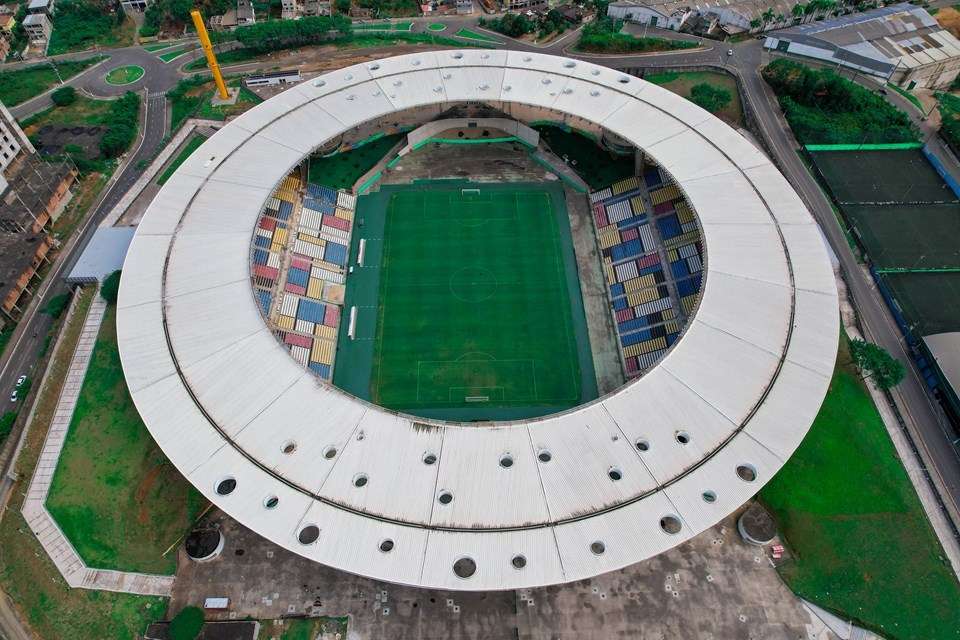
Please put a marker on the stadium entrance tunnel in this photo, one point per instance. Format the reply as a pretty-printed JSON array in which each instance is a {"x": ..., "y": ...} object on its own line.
[{"x": 246, "y": 408}]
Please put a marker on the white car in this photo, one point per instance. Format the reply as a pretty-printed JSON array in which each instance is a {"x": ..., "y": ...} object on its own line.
[
  {"x": 13, "y": 396},
  {"x": 20, "y": 381}
]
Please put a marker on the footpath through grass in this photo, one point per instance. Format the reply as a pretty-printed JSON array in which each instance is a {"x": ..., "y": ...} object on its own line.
[
  {"x": 52, "y": 609},
  {"x": 192, "y": 145},
  {"x": 22, "y": 84},
  {"x": 342, "y": 170},
  {"x": 862, "y": 544},
  {"x": 114, "y": 494}
]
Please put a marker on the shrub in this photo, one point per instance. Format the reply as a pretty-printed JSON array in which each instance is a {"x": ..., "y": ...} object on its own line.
[
  {"x": 56, "y": 305},
  {"x": 123, "y": 117},
  {"x": 111, "y": 287},
  {"x": 285, "y": 34},
  {"x": 186, "y": 625},
  {"x": 513, "y": 25},
  {"x": 711, "y": 98},
  {"x": 64, "y": 96},
  {"x": 603, "y": 35}
]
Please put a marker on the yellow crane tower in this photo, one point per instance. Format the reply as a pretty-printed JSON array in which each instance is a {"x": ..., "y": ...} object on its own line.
[{"x": 208, "y": 50}]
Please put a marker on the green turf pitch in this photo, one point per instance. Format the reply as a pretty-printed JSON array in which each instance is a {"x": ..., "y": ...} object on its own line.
[{"x": 478, "y": 314}]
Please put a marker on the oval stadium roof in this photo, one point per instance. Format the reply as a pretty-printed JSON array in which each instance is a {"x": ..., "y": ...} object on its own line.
[{"x": 223, "y": 398}]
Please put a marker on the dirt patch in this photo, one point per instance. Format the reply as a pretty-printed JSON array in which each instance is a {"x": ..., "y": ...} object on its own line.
[
  {"x": 143, "y": 492},
  {"x": 949, "y": 19},
  {"x": 51, "y": 139}
]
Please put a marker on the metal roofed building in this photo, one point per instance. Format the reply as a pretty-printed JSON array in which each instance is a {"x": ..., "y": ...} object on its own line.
[
  {"x": 729, "y": 16},
  {"x": 901, "y": 43},
  {"x": 282, "y": 451}
]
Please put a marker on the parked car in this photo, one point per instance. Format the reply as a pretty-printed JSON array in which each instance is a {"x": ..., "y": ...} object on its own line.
[
  {"x": 20, "y": 381},
  {"x": 13, "y": 396}
]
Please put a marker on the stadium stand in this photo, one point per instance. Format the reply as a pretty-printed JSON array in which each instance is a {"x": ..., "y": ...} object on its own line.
[
  {"x": 299, "y": 258},
  {"x": 653, "y": 261}
]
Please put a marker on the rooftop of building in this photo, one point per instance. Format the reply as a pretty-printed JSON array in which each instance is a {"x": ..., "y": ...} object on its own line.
[
  {"x": 17, "y": 252},
  {"x": 32, "y": 182}
]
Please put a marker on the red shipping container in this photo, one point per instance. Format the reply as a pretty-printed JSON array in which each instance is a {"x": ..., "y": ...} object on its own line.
[
  {"x": 300, "y": 341},
  {"x": 600, "y": 215},
  {"x": 297, "y": 289},
  {"x": 264, "y": 271},
  {"x": 632, "y": 366},
  {"x": 300, "y": 263},
  {"x": 267, "y": 223},
  {"x": 663, "y": 207},
  {"x": 336, "y": 223},
  {"x": 648, "y": 260},
  {"x": 625, "y": 314},
  {"x": 331, "y": 315},
  {"x": 629, "y": 234}
]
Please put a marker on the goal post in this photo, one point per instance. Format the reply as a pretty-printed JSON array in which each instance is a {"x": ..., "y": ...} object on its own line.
[{"x": 468, "y": 194}]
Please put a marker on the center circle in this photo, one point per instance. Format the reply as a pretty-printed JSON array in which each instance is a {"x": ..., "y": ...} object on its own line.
[{"x": 473, "y": 284}]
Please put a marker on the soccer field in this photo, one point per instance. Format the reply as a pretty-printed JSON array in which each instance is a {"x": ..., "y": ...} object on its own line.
[{"x": 478, "y": 312}]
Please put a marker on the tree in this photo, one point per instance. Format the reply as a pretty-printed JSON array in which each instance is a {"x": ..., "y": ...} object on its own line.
[
  {"x": 111, "y": 287},
  {"x": 798, "y": 10},
  {"x": 64, "y": 96},
  {"x": 877, "y": 364},
  {"x": 186, "y": 625},
  {"x": 711, "y": 98},
  {"x": 342, "y": 6}
]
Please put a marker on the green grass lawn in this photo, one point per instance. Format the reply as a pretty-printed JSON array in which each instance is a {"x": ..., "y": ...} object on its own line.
[
  {"x": 598, "y": 167},
  {"x": 475, "y": 35},
  {"x": 125, "y": 75},
  {"x": 437, "y": 26},
  {"x": 225, "y": 58},
  {"x": 115, "y": 495},
  {"x": 52, "y": 609},
  {"x": 192, "y": 145},
  {"x": 383, "y": 26},
  {"x": 474, "y": 316},
  {"x": 681, "y": 84},
  {"x": 342, "y": 170},
  {"x": 157, "y": 46},
  {"x": 173, "y": 55},
  {"x": 22, "y": 84},
  {"x": 862, "y": 544},
  {"x": 303, "y": 629},
  {"x": 77, "y": 31}
]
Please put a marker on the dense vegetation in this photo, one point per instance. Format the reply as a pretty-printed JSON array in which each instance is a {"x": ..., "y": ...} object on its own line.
[
  {"x": 122, "y": 122},
  {"x": 285, "y": 34},
  {"x": 950, "y": 120},
  {"x": 173, "y": 14},
  {"x": 111, "y": 287},
  {"x": 387, "y": 8},
  {"x": 64, "y": 96},
  {"x": 22, "y": 84},
  {"x": 603, "y": 36},
  {"x": 515, "y": 25},
  {"x": 79, "y": 24},
  {"x": 823, "y": 108},
  {"x": 711, "y": 98},
  {"x": 186, "y": 625}
]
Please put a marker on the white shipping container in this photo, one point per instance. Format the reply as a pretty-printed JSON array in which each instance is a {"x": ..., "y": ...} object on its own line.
[
  {"x": 308, "y": 249},
  {"x": 646, "y": 237},
  {"x": 331, "y": 234},
  {"x": 273, "y": 203},
  {"x": 687, "y": 227},
  {"x": 300, "y": 354},
  {"x": 304, "y": 326},
  {"x": 647, "y": 360},
  {"x": 653, "y": 306},
  {"x": 346, "y": 200},
  {"x": 264, "y": 233},
  {"x": 687, "y": 251},
  {"x": 626, "y": 271},
  {"x": 288, "y": 305},
  {"x": 273, "y": 260},
  {"x": 694, "y": 264},
  {"x": 310, "y": 221},
  {"x": 603, "y": 194},
  {"x": 619, "y": 212}
]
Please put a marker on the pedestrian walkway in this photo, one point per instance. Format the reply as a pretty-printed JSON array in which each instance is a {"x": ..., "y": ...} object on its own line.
[{"x": 55, "y": 543}]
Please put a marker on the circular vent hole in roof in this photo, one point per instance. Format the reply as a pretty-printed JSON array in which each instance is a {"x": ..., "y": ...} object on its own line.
[
  {"x": 544, "y": 456},
  {"x": 464, "y": 567},
  {"x": 289, "y": 447},
  {"x": 747, "y": 473},
  {"x": 518, "y": 561},
  {"x": 527, "y": 58},
  {"x": 320, "y": 83},
  {"x": 329, "y": 453},
  {"x": 615, "y": 474},
  {"x": 226, "y": 486},
  {"x": 415, "y": 63},
  {"x": 309, "y": 534},
  {"x": 374, "y": 67},
  {"x": 598, "y": 548},
  {"x": 683, "y": 437},
  {"x": 506, "y": 461},
  {"x": 643, "y": 445},
  {"x": 594, "y": 93},
  {"x": 445, "y": 497},
  {"x": 457, "y": 55},
  {"x": 360, "y": 480},
  {"x": 429, "y": 458},
  {"x": 386, "y": 546},
  {"x": 670, "y": 524},
  {"x": 623, "y": 79},
  {"x": 709, "y": 496},
  {"x": 569, "y": 64},
  {"x": 270, "y": 502}
]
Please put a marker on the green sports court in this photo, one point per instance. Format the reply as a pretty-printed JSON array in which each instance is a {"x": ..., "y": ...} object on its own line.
[{"x": 468, "y": 303}]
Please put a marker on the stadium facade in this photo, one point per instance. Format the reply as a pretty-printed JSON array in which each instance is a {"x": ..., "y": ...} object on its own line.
[{"x": 494, "y": 505}]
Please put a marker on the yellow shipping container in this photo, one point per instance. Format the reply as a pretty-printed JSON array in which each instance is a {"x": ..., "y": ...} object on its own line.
[
  {"x": 311, "y": 239},
  {"x": 346, "y": 214},
  {"x": 285, "y": 322},
  {"x": 324, "y": 331},
  {"x": 315, "y": 288},
  {"x": 322, "y": 351},
  {"x": 280, "y": 235},
  {"x": 636, "y": 203},
  {"x": 608, "y": 271}
]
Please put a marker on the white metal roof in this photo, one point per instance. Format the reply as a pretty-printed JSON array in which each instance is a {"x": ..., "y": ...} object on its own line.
[{"x": 222, "y": 397}]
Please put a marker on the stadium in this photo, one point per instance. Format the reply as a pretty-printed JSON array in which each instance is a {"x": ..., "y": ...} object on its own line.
[{"x": 486, "y": 380}]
